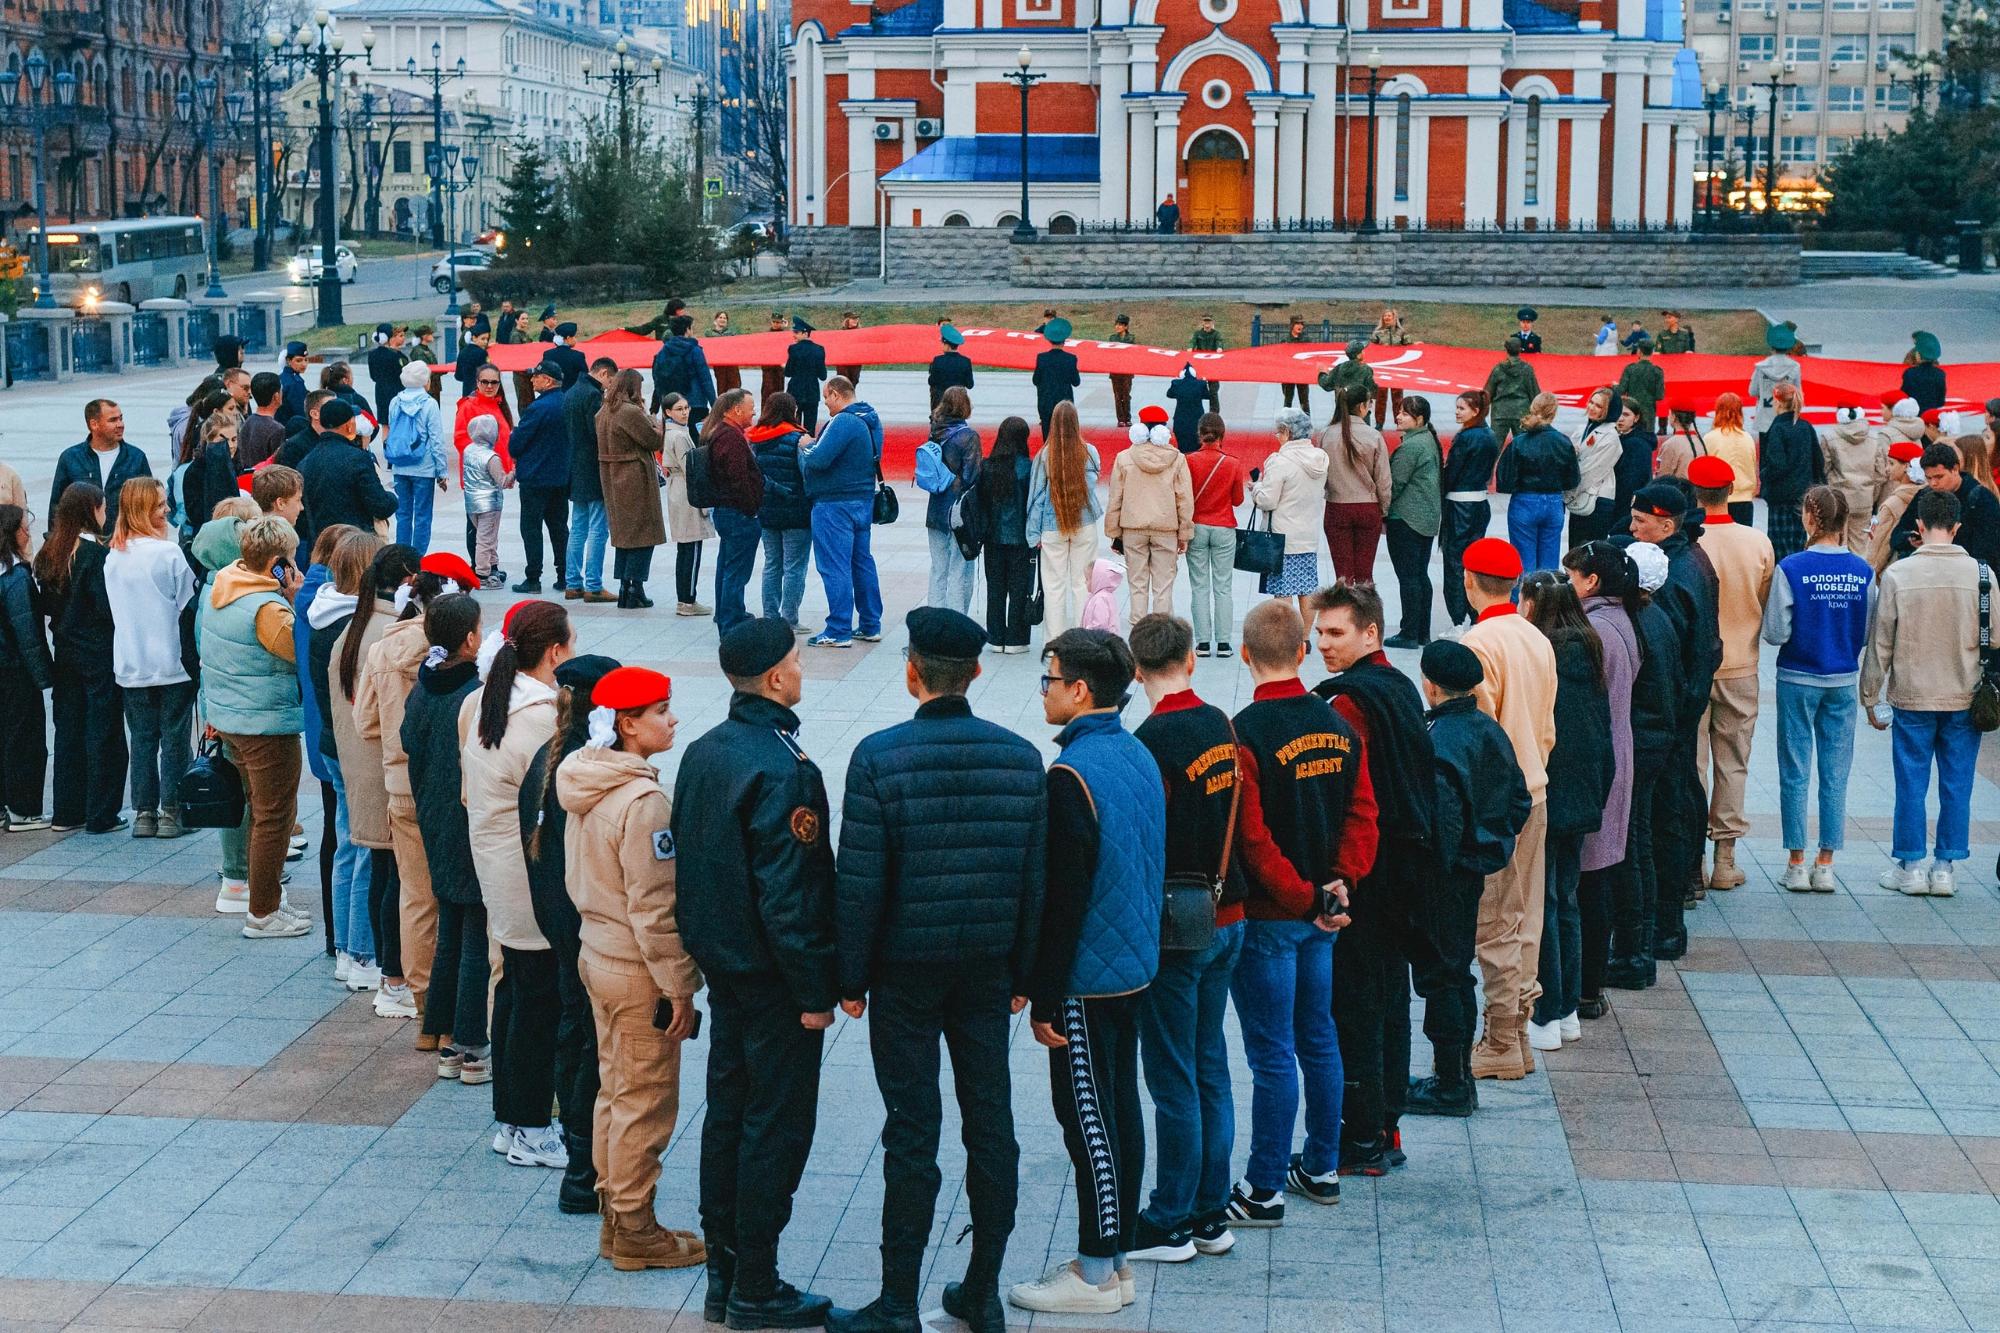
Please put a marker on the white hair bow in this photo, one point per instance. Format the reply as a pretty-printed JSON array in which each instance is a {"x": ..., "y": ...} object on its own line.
[
  {"x": 489, "y": 648},
  {"x": 603, "y": 728},
  {"x": 435, "y": 657}
]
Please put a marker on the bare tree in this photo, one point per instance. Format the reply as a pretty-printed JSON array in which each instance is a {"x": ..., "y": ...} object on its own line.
[{"x": 765, "y": 154}]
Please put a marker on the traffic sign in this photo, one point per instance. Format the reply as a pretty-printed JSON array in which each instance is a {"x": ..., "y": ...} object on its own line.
[{"x": 711, "y": 187}]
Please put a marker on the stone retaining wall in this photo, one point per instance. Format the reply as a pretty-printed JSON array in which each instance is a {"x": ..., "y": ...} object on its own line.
[{"x": 951, "y": 256}]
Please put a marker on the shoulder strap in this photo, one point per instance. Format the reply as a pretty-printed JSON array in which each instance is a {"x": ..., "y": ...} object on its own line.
[
  {"x": 1202, "y": 489},
  {"x": 1235, "y": 798},
  {"x": 1985, "y": 614},
  {"x": 1090, "y": 800}
]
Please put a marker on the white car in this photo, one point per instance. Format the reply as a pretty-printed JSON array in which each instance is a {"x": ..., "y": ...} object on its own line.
[
  {"x": 307, "y": 264},
  {"x": 463, "y": 260}
]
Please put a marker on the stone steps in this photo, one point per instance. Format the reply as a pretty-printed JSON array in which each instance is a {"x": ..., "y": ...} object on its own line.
[{"x": 1825, "y": 265}]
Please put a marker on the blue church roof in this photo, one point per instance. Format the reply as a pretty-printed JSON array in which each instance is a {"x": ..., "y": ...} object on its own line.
[
  {"x": 1687, "y": 79},
  {"x": 1663, "y": 20},
  {"x": 1052, "y": 158},
  {"x": 919, "y": 18},
  {"x": 1528, "y": 16}
]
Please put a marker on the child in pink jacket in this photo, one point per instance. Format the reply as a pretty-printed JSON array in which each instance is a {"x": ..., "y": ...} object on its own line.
[{"x": 1101, "y": 610}]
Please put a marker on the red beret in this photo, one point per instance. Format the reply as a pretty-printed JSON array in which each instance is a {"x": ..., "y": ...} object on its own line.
[
  {"x": 1906, "y": 451},
  {"x": 631, "y": 687},
  {"x": 1934, "y": 416},
  {"x": 448, "y": 566},
  {"x": 507, "y": 621},
  {"x": 1153, "y": 416},
  {"x": 1494, "y": 558},
  {"x": 1711, "y": 473}
]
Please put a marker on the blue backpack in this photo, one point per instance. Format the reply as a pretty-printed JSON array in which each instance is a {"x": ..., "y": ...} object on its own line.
[
  {"x": 404, "y": 445},
  {"x": 177, "y": 515},
  {"x": 932, "y": 474}
]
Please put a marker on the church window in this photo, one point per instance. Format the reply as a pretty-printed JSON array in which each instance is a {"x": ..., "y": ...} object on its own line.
[
  {"x": 1531, "y": 156},
  {"x": 1403, "y": 148}
]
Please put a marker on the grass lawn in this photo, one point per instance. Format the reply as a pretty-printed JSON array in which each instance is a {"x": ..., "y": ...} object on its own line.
[{"x": 1167, "y": 323}]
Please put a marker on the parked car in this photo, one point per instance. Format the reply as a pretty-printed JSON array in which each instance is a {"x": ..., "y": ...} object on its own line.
[
  {"x": 758, "y": 227},
  {"x": 441, "y": 271},
  {"x": 308, "y": 263}
]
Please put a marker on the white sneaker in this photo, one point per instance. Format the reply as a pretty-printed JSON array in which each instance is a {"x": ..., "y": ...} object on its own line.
[
  {"x": 1942, "y": 884},
  {"x": 1797, "y": 878},
  {"x": 1822, "y": 879},
  {"x": 396, "y": 1002},
  {"x": 233, "y": 898},
  {"x": 1904, "y": 879},
  {"x": 1571, "y": 1025},
  {"x": 343, "y": 966},
  {"x": 1062, "y": 1290},
  {"x": 364, "y": 977},
  {"x": 1545, "y": 1036},
  {"x": 539, "y": 1147},
  {"x": 503, "y": 1139},
  {"x": 27, "y": 823},
  {"x": 276, "y": 926},
  {"x": 297, "y": 850}
]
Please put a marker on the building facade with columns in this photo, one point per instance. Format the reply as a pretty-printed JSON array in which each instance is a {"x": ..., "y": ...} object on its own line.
[{"x": 1253, "y": 114}]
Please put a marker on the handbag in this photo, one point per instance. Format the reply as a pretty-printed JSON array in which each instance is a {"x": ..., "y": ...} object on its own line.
[
  {"x": 1189, "y": 900},
  {"x": 886, "y": 506},
  {"x": 1260, "y": 550},
  {"x": 1986, "y": 694},
  {"x": 1036, "y": 603},
  {"x": 211, "y": 789}
]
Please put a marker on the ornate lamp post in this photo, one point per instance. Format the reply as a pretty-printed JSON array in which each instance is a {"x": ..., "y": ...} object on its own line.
[
  {"x": 198, "y": 109},
  {"x": 46, "y": 97},
  {"x": 624, "y": 75},
  {"x": 697, "y": 103},
  {"x": 1368, "y": 224},
  {"x": 1776, "y": 83},
  {"x": 257, "y": 58},
  {"x": 435, "y": 75},
  {"x": 1024, "y": 230},
  {"x": 448, "y": 171},
  {"x": 1714, "y": 101},
  {"x": 321, "y": 53}
]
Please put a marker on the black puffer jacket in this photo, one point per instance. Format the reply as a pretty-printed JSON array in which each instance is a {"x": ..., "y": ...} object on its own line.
[
  {"x": 24, "y": 644},
  {"x": 580, "y": 408},
  {"x": 1789, "y": 461},
  {"x": 1653, "y": 697},
  {"x": 1688, "y": 598},
  {"x": 942, "y": 854},
  {"x": 754, "y": 892},
  {"x": 430, "y": 738},
  {"x": 341, "y": 486},
  {"x": 786, "y": 507},
  {"x": 1541, "y": 461},
  {"x": 80, "y": 618},
  {"x": 1580, "y": 767}
]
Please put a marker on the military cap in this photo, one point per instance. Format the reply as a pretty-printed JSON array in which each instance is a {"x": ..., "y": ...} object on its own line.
[
  {"x": 631, "y": 687},
  {"x": 1906, "y": 451},
  {"x": 1357, "y": 347},
  {"x": 581, "y": 674},
  {"x": 566, "y": 329},
  {"x": 294, "y": 348},
  {"x": 1780, "y": 339},
  {"x": 951, "y": 336},
  {"x": 940, "y": 633},
  {"x": 755, "y": 646},
  {"x": 1492, "y": 557},
  {"x": 1057, "y": 331},
  {"x": 1927, "y": 346},
  {"x": 549, "y": 311},
  {"x": 1452, "y": 666},
  {"x": 446, "y": 565},
  {"x": 1152, "y": 414},
  {"x": 799, "y": 325},
  {"x": 1527, "y": 312},
  {"x": 1711, "y": 473}
]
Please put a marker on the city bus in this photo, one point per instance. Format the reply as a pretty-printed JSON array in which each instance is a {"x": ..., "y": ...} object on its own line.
[{"x": 131, "y": 259}]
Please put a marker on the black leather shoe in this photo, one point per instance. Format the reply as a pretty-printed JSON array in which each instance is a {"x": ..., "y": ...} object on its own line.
[
  {"x": 1450, "y": 1091},
  {"x": 1671, "y": 946},
  {"x": 881, "y": 1315},
  {"x": 578, "y": 1193},
  {"x": 978, "y": 1309},
  {"x": 528, "y": 585},
  {"x": 639, "y": 598},
  {"x": 1636, "y": 972},
  {"x": 1403, "y": 641},
  {"x": 784, "y": 1307},
  {"x": 721, "y": 1274}
]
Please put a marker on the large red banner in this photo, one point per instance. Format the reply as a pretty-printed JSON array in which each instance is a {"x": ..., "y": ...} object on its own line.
[{"x": 1693, "y": 381}]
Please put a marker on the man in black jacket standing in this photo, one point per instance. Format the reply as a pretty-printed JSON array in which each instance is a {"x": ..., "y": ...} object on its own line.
[
  {"x": 950, "y": 368},
  {"x": 589, "y": 528},
  {"x": 1056, "y": 377},
  {"x": 385, "y": 368},
  {"x": 755, "y": 910},
  {"x": 939, "y": 899},
  {"x": 341, "y": 484},
  {"x": 805, "y": 368},
  {"x": 102, "y": 458}
]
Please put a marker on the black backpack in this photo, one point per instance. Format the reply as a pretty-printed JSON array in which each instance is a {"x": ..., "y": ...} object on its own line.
[{"x": 700, "y": 487}]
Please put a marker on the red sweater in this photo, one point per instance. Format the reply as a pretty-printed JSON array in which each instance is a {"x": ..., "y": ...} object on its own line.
[{"x": 1218, "y": 487}]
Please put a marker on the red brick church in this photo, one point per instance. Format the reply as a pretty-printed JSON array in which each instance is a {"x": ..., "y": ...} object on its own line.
[{"x": 1252, "y": 113}]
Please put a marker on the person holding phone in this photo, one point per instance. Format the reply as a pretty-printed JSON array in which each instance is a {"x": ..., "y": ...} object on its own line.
[{"x": 619, "y": 857}]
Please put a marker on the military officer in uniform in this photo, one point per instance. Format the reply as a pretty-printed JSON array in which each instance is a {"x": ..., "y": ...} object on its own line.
[
  {"x": 1510, "y": 387},
  {"x": 805, "y": 368},
  {"x": 1121, "y": 385},
  {"x": 1055, "y": 375},
  {"x": 1531, "y": 342},
  {"x": 755, "y": 911},
  {"x": 774, "y": 376},
  {"x": 950, "y": 368},
  {"x": 1295, "y": 332},
  {"x": 1208, "y": 338},
  {"x": 1351, "y": 381}
]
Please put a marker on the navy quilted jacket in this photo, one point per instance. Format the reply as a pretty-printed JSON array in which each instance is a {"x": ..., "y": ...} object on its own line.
[
  {"x": 1118, "y": 940},
  {"x": 941, "y": 848}
]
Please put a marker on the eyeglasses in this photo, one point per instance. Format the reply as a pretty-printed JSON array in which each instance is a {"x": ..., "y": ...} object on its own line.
[
  {"x": 1048, "y": 680},
  {"x": 486, "y": 382}
]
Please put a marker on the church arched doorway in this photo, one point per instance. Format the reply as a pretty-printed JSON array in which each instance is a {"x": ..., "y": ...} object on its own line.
[{"x": 1218, "y": 184}]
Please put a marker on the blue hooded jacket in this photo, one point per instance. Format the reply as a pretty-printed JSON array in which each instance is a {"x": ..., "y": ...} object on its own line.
[{"x": 841, "y": 465}]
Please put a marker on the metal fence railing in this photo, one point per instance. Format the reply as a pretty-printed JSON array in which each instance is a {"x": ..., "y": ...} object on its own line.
[
  {"x": 90, "y": 349},
  {"x": 152, "y": 340},
  {"x": 203, "y": 327},
  {"x": 1336, "y": 226},
  {"x": 27, "y": 351}
]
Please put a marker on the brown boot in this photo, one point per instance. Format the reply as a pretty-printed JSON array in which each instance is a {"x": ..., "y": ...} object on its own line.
[
  {"x": 607, "y": 1228},
  {"x": 1725, "y": 875},
  {"x": 1498, "y": 1053},
  {"x": 639, "y": 1241},
  {"x": 1521, "y": 1041}
]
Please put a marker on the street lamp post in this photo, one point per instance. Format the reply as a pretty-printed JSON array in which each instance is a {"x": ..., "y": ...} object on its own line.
[
  {"x": 1024, "y": 230},
  {"x": 697, "y": 103},
  {"x": 435, "y": 75},
  {"x": 257, "y": 57},
  {"x": 321, "y": 53},
  {"x": 624, "y": 75},
  {"x": 1368, "y": 224},
  {"x": 1776, "y": 83},
  {"x": 198, "y": 110},
  {"x": 1716, "y": 100},
  {"x": 455, "y": 186},
  {"x": 44, "y": 96}
]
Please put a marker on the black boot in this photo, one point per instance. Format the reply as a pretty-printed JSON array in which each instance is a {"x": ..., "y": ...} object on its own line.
[
  {"x": 885, "y": 1314},
  {"x": 977, "y": 1307},
  {"x": 579, "y": 1183},
  {"x": 639, "y": 598},
  {"x": 721, "y": 1276},
  {"x": 780, "y": 1305},
  {"x": 624, "y": 594},
  {"x": 1631, "y": 971},
  {"x": 1449, "y": 1091},
  {"x": 1364, "y": 1158}
]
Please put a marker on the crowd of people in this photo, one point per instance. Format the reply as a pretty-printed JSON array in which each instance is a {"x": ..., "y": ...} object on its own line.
[{"x": 502, "y": 866}]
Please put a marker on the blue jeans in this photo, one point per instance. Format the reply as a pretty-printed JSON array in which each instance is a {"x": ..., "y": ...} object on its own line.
[
  {"x": 415, "y": 497},
  {"x": 1917, "y": 738},
  {"x": 589, "y": 530},
  {"x": 952, "y": 575},
  {"x": 785, "y": 552},
  {"x": 841, "y": 531},
  {"x": 1815, "y": 719},
  {"x": 1186, "y": 1063},
  {"x": 735, "y": 556},
  {"x": 1284, "y": 997},
  {"x": 1535, "y": 528},
  {"x": 352, "y": 929}
]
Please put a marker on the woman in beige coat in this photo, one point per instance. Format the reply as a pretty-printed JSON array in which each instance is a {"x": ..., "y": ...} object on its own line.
[
  {"x": 688, "y": 526},
  {"x": 621, "y": 877},
  {"x": 1357, "y": 487},
  {"x": 1857, "y": 465},
  {"x": 500, "y": 729},
  {"x": 628, "y": 465},
  {"x": 1149, "y": 515},
  {"x": 362, "y": 771},
  {"x": 1292, "y": 489}
]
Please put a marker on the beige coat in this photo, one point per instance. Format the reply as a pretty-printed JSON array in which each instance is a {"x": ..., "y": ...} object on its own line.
[
  {"x": 12, "y": 490},
  {"x": 388, "y": 672},
  {"x": 361, "y": 766},
  {"x": 1363, "y": 478},
  {"x": 1519, "y": 690},
  {"x": 1293, "y": 489},
  {"x": 628, "y": 444},
  {"x": 1151, "y": 491},
  {"x": 1924, "y": 641},
  {"x": 1743, "y": 560},
  {"x": 684, "y": 521},
  {"x": 1886, "y": 518},
  {"x": 492, "y": 793},
  {"x": 619, "y": 862},
  {"x": 1738, "y": 449}
]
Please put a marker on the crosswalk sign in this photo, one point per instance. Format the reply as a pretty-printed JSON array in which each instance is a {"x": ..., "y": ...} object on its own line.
[{"x": 711, "y": 187}]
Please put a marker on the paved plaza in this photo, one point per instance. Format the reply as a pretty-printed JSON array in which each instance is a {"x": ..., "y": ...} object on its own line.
[{"x": 1798, "y": 1128}]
